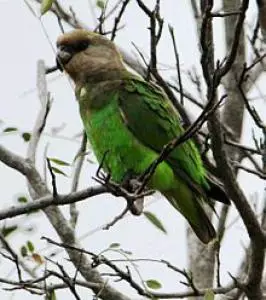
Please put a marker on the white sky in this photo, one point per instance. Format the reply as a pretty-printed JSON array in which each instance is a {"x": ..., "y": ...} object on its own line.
[{"x": 23, "y": 43}]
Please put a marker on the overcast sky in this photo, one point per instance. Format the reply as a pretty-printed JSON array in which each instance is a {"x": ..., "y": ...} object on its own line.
[{"x": 23, "y": 42}]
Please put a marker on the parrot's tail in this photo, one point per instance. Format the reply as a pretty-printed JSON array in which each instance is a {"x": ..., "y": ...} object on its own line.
[{"x": 190, "y": 206}]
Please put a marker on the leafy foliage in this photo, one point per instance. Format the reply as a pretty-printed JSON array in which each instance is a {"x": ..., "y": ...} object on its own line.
[
  {"x": 22, "y": 199},
  {"x": 46, "y": 6},
  {"x": 59, "y": 162},
  {"x": 26, "y": 136},
  {"x": 10, "y": 129},
  {"x": 7, "y": 230},
  {"x": 153, "y": 284},
  {"x": 155, "y": 221}
]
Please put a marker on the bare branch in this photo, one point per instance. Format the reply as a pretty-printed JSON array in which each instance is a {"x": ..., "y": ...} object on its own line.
[
  {"x": 127, "y": 276},
  {"x": 262, "y": 19},
  {"x": 55, "y": 193},
  {"x": 12, "y": 253},
  {"x": 77, "y": 171},
  {"x": 23, "y": 167},
  {"x": 171, "y": 30},
  {"x": 260, "y": 174},
  {"x": 45, "y": 102},
  {"x": 118, "y": 18}
]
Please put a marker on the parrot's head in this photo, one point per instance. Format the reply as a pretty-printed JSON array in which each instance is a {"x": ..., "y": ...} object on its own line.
[{"x": 86, "y": 55}]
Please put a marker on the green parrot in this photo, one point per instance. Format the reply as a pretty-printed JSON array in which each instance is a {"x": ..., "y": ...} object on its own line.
[{"x": 128, "y": 121}]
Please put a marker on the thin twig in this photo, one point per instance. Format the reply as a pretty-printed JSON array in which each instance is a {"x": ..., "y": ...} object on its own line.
[
  {"x": 45, "y": 101},
  {"x": 171, "y": 30},
  {"x": 80, "y": 157},
  {"x": 13, "y": 254},
  {"x": 50, "y": 168},
  {"x": 98, "y": 260},
  {"x": 118, "y": 18}
]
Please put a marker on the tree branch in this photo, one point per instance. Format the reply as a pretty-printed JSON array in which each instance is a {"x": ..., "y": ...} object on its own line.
[{"x": 59, "y": 223}]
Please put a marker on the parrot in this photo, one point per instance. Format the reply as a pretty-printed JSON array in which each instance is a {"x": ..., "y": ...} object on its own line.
[{"x": 128, "y": 121}]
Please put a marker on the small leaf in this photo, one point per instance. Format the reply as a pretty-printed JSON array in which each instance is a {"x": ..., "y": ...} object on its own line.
[
  {"x": 58, "y": 171},
  {"x": 153, "y": 284},
  {"x": 80, "y": 155},
  {"x": 45, "y": 6},
  {"x": 114, "y": 245},
  {"x": 37, "y": 258},
  {"x": 22, "y": 199},
  {"x": 209, "y": 295},
  {"x": 10, "y": 129},
  {"x": 23, "y": 251},
  {"x": 155, "y": 221},
  {"x": 101, "y": 4},
  {"x": 59, "y": 162},
  {"x": 26, "y": 136},
  {"x": 8, "y": 230},
  {"x": 30, "y": 246}
]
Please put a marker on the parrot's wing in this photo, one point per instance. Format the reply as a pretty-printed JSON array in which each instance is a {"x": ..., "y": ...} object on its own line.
[{"x": 151, "y": 117}]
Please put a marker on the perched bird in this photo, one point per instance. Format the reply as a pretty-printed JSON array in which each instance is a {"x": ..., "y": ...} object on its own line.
[{"x": 129, "y": 120}]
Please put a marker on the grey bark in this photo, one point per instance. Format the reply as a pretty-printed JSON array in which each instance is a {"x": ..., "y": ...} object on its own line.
[
  {"x": 202, "y": 257},
  {"x": 234, "y": 108}
]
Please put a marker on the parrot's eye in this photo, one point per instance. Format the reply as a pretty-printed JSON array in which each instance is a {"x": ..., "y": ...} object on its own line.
[
  {"x": 67, "y": 51},
  {"x": 81, "y": 45}
]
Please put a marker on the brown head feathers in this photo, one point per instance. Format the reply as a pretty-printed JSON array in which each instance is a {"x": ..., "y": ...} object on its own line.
[
  {"x": 88, "y": 56},
  {"x": 77, "y": 36}
]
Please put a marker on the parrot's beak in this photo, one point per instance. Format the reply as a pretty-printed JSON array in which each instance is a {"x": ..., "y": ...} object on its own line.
[{"x": 63, "y": 56}]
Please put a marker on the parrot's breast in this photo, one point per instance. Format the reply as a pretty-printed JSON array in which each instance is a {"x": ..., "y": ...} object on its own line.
[{"x": 123, "y": 154}]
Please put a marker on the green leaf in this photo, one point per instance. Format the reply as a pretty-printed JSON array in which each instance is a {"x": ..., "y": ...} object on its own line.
[
  {"x": 101, "y": 4},
  {"x": 80, "y": 155},
  {"x": 59, "y": 162},
  {"x": 26, "y": 136},
  {"x": 58, "y": 171},
  {"x": 155, "y": 221},
  {"x": 8, "y": 230},
  {"x": 114, "y": 245},
  {"x": 45, "y": 6},
  {"x": 209, "y": 295},
  {"x": 22, "y": 199},
  {"x": 23, "y": 251},
  {"x": 10, "y": 129},
  {"x": 153, "y": 284},
  {"x": 30, "y": 246}
]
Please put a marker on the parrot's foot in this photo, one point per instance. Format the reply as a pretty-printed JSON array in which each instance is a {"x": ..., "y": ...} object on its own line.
[
  {"x": 129, "y": 189},
  {"x": 137, "y": 207},
  {"x": 132, "y": 185}
]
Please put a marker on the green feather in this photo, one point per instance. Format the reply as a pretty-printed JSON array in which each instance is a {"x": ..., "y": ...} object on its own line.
[{"x": 131, "y": 120}]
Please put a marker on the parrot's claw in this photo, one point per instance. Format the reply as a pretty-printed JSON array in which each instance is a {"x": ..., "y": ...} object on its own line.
[
  {"x": 100, "y": 173},
  {"x": 129, "y": 189}
]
